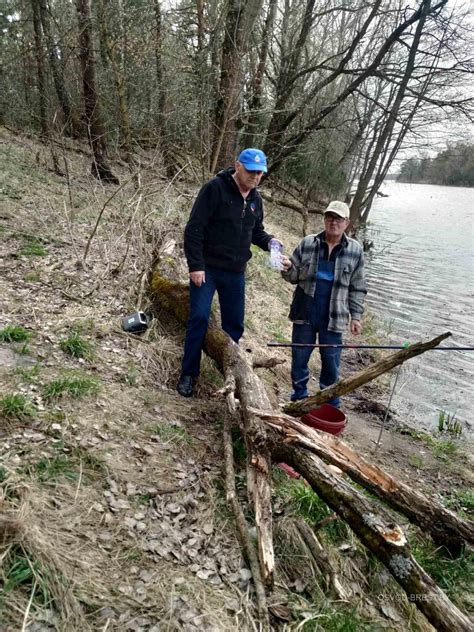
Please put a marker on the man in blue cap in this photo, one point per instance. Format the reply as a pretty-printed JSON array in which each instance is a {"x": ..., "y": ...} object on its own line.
[{"x": 227, "y": 217}]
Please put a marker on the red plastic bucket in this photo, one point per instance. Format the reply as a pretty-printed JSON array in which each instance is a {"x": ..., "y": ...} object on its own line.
[{"x": 327, "y": 418}]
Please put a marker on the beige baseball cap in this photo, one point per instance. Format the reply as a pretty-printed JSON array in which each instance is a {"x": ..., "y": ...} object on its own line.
[{"x": 338, "y": 208}]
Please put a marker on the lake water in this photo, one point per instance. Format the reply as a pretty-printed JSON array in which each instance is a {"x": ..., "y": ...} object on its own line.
[{"x": 421, "y": 284}]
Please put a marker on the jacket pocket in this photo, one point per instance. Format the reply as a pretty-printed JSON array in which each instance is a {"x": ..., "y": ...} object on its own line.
[{"x": 346, "y": 274}]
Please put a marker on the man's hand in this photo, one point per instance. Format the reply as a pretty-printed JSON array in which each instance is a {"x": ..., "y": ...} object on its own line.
[
  {"x": 198, "y": 277},
  {"x": 285, "y": 263},
  {"x": 356, "y": 327}
]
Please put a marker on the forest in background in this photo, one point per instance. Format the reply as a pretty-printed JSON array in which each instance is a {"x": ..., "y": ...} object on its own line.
[
  {"x": 330, "y": 90},
  {"x": 452, "y": 167}
]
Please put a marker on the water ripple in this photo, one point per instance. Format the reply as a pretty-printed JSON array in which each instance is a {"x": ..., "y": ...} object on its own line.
[{"x": 420, "y": 285}]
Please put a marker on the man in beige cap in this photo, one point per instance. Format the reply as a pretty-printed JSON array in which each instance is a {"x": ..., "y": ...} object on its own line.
[{"x": 328, "y": 270}]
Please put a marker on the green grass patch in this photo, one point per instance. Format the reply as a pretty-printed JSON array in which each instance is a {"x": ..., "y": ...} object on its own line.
[
  {"x": 278, "y": 334},
  {"x": 21, "y": 572},
  {"x": 335, "y": 619},
  {"x": 210, "y": 374},
  {"x": 73, "y": 386},
  {"x": 14, "y": 333},
  {"x": 453, "y": 575},
  {"x": 416, "y": 461},
  {"x": 462, "y": 501},
  {"x": 3, "y": 474},
  {"x": 444, "y": 450},
  {"x": 90, "y": 462},
  {"x": 76, "y": 463},
  {"x": 172, "y": 434},
  {"x": 304, "y": 502},
  {"x": 16, "y": 406},
  {"x": 76, "y": 346},
  {"x": 54, "y": 468},
  {"x": 33, "y": 248},
  {"x": 133, "y": 375}
]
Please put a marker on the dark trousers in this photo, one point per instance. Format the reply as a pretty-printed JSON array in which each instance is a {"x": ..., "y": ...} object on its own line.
[
  {"x": 330, "y": 359},
  {"x": 230, "y": 288}
]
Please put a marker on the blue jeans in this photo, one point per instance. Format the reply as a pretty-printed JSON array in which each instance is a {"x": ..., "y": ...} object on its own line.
[
  {"x": 230, "y": 287},
  {"x": 330, "y": 359}
]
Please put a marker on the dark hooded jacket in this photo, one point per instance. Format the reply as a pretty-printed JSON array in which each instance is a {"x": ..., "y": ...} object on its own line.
[{"x": 223, "y": 225}]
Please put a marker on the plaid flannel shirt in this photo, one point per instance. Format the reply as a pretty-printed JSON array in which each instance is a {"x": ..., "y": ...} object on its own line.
[{"x": 349, "y": 288}]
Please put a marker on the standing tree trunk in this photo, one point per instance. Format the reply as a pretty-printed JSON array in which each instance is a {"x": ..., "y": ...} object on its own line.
[
  {"x": 43, "y": 109},
  {"x": 62, "y": 92},
  {"x": 95, "y": 125},
  {"x": 170, "y": 166},
  {"x": 253, "y": 123},
  {"x": 240, "y": 18},
  {"x": 119, "y": 80}
]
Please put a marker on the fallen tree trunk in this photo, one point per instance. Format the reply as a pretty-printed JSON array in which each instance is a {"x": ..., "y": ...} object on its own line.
[
  {"x": 445, "y": 527},
  {"x": 379, "y": 535},
  {"x": 362, "y": 377}
]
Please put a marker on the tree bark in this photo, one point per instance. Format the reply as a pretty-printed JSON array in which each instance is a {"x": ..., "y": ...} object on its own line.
[
  {"x": 361, "y": 377},
  {"x": 254, "y": 119},
  {"x": 95, "y": 126},
  {"x": 119, "y": 81}
]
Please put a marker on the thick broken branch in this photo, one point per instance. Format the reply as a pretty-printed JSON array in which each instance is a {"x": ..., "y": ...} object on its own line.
[
  {"x": 322, "y": 559},
  {"x": 362, "y": 377},
  {"x": 444, "y": 526},
  {"x": 266, "y": 362}
]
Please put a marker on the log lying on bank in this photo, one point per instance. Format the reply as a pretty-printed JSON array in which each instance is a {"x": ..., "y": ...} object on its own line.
[
  {"x": 445, "y": 527},
  {"x": 362, "y": 377},
  {"x": 375, "y": 530}
]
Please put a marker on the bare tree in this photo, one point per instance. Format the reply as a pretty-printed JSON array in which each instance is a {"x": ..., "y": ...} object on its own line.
[
  {"x": 240, "y": 18},
  {"x": 62, "y": 92},
  {"x": 113, "y": 56},
  {"x": 39, "y": 54},
  {"x": 95, "y": 125}
]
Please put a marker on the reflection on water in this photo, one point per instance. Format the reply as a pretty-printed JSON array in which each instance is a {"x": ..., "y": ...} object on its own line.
[{"x": 421, "y": 284}]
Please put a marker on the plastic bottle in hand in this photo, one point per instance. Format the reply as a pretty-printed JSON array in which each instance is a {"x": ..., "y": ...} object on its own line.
[{"x": 276, "y": 249}]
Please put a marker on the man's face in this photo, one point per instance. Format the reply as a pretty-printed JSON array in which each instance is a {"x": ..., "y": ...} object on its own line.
[
  {"x": 247, "y": 179},
  {"x": 335, "y": 225}
]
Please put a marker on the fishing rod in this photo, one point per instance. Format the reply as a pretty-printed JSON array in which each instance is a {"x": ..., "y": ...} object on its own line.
[{"x": 326, "y": 346}]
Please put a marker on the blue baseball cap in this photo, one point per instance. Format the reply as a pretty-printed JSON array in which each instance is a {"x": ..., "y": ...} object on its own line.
[{"x": 253, "y": 159}]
